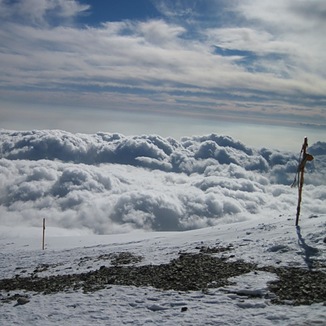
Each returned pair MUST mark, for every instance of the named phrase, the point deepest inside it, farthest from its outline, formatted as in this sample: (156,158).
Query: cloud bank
(107,183)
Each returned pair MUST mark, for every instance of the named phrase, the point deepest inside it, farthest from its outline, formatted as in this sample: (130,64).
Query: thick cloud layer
(110,183)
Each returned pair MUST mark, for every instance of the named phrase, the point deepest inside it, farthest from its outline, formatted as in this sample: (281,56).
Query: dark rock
(189,272)
(21,301)
(299,286)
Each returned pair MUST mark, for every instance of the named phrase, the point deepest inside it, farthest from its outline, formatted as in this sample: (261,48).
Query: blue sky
(172,67)
(110,10)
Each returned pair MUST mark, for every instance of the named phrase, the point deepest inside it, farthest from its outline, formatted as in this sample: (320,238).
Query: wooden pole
(301,176)
(43,238)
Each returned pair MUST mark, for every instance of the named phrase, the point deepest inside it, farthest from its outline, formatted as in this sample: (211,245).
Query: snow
(269,240)
(105,194)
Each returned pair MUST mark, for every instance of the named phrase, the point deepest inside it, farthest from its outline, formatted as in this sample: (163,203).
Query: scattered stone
(298,286)
(41,268)
(189,272)
(125,258)
(214,250)
(21,301)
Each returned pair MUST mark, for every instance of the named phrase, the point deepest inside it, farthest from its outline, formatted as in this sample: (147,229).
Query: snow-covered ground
(267,241)
(105,194)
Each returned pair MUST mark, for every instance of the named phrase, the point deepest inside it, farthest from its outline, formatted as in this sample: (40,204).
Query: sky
(252,69)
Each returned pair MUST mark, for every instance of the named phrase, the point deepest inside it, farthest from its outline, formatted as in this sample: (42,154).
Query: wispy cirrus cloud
(40,13)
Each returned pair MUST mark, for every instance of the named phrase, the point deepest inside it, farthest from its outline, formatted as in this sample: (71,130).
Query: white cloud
(176,8)
(285,15)
(259,42)
(110,183)
(168,60)
(299,25)
(39,12)
(158,32)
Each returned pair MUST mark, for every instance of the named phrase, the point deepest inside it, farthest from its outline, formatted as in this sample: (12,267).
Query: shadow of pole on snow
(308,251)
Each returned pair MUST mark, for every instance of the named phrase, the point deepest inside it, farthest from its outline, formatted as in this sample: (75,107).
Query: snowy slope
(271,241)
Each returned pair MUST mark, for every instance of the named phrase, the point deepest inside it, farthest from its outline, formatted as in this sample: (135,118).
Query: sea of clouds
(107,183)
